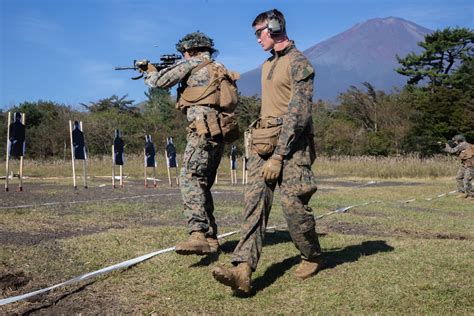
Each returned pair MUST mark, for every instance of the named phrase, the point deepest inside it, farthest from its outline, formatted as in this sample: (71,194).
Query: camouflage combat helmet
(195,40)
(459,138)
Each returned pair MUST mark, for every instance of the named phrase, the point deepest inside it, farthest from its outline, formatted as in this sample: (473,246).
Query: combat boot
(213,244)
(195,245)
(461,195)
(238,278)
(308,268)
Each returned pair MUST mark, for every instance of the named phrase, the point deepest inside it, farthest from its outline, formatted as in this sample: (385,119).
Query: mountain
(365,52)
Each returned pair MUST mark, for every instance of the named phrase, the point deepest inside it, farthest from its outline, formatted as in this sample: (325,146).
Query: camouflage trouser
(464,179)
(297,185)
(200,162)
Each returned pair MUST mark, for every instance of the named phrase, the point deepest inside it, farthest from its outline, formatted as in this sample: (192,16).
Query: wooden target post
(7,161)
(176,171)
(20,188)
(113,166)
(247,143)
(72,157)
(168,168)
(154,176)
(244,171)
(121,175)
(84,162)
(144,165)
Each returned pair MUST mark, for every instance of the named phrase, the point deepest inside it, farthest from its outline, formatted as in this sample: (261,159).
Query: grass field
(389,257)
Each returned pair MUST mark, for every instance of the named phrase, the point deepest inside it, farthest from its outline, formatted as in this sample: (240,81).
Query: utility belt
(216,125)
(264,134)
(468,162)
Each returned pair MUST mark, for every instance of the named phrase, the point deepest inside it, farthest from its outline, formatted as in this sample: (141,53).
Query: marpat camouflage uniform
(466,168)
(288,76)
(202,156)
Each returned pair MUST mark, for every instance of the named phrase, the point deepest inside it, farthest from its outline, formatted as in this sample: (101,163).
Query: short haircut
(263,18)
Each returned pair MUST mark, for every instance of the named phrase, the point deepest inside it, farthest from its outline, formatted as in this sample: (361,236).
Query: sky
(66,50)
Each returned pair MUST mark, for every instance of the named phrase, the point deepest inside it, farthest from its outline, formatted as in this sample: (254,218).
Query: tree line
(436,103)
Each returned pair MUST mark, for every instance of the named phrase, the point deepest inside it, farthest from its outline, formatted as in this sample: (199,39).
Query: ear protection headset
(274,25)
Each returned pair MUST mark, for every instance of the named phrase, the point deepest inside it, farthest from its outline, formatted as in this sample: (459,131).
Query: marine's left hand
(144,65)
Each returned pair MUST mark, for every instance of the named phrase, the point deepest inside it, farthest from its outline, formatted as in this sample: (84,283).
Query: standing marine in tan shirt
(282,152)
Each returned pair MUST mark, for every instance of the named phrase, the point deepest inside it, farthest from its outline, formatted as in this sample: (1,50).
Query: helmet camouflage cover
(195,40)
(459,138)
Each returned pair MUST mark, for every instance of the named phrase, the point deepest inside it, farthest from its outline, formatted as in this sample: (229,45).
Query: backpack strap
(206,94)
(201,65)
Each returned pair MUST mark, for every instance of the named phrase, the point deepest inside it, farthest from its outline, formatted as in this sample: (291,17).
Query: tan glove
(144,65)
(272,168)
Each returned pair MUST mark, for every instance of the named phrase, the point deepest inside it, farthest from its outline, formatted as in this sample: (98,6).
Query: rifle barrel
(126,68)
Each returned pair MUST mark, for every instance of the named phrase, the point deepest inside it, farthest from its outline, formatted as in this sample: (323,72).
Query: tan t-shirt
(276,86)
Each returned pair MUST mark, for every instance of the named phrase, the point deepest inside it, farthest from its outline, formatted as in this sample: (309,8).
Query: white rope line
(92,201)
(430,198)
(121,265)
(345,209)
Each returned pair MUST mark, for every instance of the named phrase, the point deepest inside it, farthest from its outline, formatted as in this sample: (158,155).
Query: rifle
(166,61)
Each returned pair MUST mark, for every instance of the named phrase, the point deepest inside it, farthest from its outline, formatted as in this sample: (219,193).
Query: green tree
(107,115)
(162,120)
(247,111)
(443,52)
(361,106)
(120,104)
(381,121)
(437,115)
(323,118)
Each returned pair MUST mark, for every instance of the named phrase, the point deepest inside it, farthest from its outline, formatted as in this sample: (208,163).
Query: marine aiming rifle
(450,142)
(166,61)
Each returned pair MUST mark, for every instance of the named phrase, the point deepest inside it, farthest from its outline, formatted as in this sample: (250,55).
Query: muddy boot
(238,278)
(308,268)
(213,244)
(195,245)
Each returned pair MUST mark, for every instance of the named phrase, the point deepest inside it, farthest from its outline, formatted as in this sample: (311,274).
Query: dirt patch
(431,210)
(348,229)
(159,222)
(419,209)
(31,239)
(366,213)
(12,281)
(426,235)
